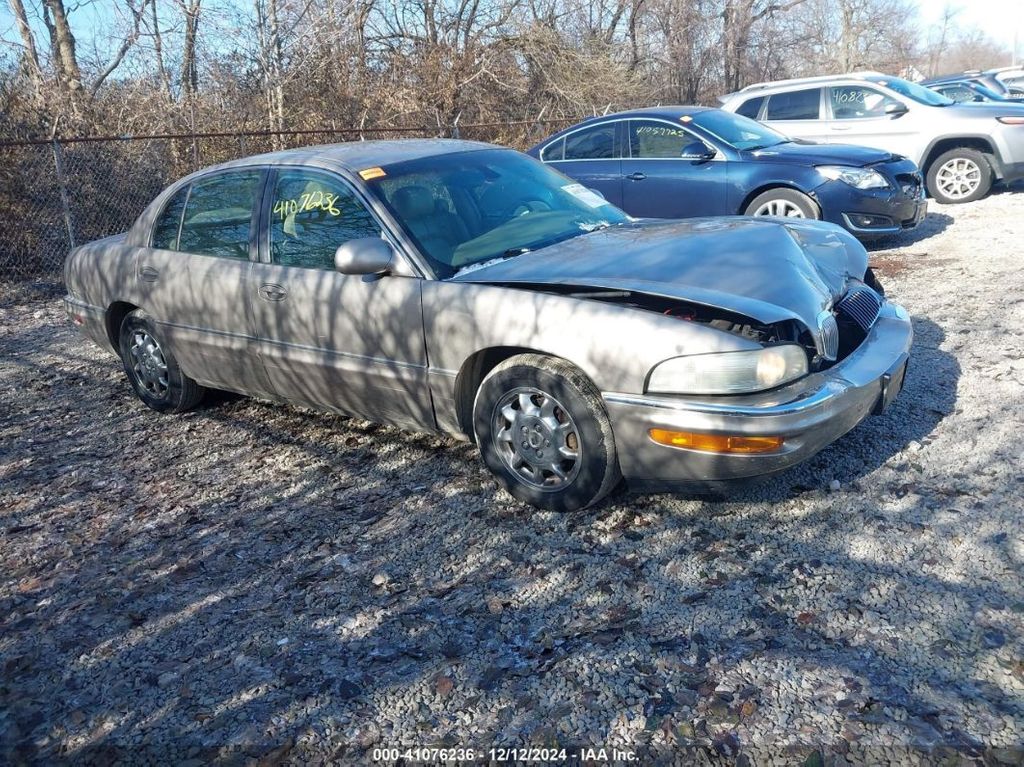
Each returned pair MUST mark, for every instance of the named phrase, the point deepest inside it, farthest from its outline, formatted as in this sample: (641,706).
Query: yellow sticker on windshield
(370,173)
(685,119)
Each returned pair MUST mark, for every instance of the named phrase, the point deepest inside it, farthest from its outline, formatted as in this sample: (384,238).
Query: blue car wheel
(786,203)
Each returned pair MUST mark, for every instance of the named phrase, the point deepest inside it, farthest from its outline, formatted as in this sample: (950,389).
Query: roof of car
(658,111)
(962,77)
(797,81)
(358,155)
(808,80)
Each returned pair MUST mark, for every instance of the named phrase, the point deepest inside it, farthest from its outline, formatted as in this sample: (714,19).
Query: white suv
(962,149)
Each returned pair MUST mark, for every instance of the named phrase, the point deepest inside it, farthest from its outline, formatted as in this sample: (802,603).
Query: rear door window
(597,143)
(795,105)
(218,215)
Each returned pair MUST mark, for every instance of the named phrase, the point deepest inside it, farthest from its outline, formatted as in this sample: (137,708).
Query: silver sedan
(463,288)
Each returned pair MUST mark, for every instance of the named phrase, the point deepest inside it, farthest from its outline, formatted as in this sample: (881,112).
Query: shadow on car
(928,396)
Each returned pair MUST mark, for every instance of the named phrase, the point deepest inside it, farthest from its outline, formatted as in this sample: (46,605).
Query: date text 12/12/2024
(584,754)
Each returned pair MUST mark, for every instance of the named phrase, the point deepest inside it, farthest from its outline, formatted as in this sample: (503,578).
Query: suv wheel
(788,203)
(959,175)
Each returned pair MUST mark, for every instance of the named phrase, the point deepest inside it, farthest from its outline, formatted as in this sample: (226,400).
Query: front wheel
(152,370)
(959,175)
(787,203)
(543,432)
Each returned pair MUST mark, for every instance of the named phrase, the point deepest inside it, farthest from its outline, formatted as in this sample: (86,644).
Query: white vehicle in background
(961,149)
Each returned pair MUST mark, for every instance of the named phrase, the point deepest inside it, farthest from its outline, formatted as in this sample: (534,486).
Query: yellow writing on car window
(307,201)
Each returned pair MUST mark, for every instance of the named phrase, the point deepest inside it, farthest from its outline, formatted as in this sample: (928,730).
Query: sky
(1002,20)
(999,19)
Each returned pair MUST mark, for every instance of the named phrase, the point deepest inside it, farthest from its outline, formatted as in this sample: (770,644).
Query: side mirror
(896,108)
(697,150)
(367,255)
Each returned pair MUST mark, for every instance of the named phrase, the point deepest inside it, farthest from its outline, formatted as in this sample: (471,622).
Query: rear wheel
(787,203)
(152,370)
(544,433)
(959,175)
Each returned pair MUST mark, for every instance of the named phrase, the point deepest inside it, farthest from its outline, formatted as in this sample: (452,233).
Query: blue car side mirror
(697,150)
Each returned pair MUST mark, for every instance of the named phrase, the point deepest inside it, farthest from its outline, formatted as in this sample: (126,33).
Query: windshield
(470,207)
(913,91)
(737,131)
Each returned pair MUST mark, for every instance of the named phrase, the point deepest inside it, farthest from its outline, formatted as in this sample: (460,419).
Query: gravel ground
(272,583)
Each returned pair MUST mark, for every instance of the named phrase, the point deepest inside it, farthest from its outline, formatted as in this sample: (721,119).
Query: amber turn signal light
(716,443)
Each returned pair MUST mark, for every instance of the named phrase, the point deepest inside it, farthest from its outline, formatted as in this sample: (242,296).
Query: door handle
(149,274)
(638,176)
(271,292)
(840,127)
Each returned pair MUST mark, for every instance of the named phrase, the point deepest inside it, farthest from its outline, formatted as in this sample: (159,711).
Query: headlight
(858,178)
(729,372)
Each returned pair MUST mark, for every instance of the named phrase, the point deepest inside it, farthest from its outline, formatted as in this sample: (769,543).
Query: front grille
(862,305)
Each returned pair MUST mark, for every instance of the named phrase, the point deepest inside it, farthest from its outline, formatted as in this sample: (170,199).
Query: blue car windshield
(913,91)
(466,208)
(737,131)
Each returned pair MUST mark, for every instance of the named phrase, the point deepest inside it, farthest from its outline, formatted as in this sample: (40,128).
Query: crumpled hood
(765,269)
(822,154)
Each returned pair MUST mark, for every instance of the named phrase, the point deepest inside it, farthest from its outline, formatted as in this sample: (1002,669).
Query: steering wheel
(529,206)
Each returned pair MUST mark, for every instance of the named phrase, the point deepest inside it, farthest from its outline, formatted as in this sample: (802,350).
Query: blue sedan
(679,162)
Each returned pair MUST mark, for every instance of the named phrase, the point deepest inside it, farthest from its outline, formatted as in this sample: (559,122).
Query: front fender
(614,345)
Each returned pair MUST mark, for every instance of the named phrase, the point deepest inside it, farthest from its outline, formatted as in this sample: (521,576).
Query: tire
(959,175)
(788,202)
(152,370)
(566,429)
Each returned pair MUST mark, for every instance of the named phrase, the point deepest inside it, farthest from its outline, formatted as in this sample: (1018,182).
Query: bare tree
(189,68)
(31,56)
(62,47)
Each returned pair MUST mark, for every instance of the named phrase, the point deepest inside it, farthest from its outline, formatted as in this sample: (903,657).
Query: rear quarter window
(751,107)
(165,233)
(554,151)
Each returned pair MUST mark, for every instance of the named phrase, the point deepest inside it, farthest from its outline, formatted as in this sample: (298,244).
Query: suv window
(855,102)
(651,139)
(751,107)
(165,233)
(218,215)
(795,105)
(597,143)
(311,215)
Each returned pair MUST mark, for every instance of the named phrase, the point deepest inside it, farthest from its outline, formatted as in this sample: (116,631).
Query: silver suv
(962,149)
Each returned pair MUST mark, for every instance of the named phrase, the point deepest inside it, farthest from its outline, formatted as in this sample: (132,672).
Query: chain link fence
(59,193)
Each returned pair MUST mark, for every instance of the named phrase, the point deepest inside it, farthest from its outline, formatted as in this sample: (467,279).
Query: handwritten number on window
(307,202)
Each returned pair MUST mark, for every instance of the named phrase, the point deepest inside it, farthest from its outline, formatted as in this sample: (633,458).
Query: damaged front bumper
(808,414)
